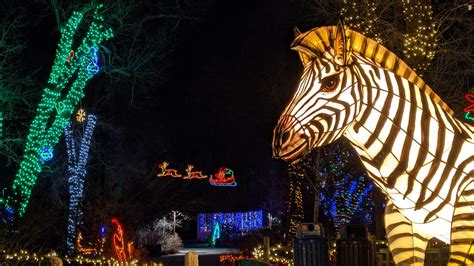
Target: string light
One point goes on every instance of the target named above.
(348, 197)
(167, 172)
(7, 214)
(93, 67)
(98, 249)
(361, 18)
(77, 172)
(216, 234)
(71, 55)
(83, 249)
(470, 108)
(103, 235)
(468, 116)
(190, 174)
(81, 115)
(232, 259)
(241, 222)
(223, 178)
(130, 249)
(278, 254)
(119, 241)
(46, 154)
(25, 256)
(419, 43)
(295, 202)
(47, 127)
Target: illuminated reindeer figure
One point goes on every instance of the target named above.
(193, 174)
(167, 172)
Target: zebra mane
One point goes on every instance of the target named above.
(318, 40)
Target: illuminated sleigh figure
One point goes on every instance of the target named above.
(193, 174)
(167, 172)
(223, 178)
(407, 138)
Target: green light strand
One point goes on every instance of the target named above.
(53, 107)
(468, 116)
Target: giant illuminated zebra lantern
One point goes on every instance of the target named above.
(412, 147)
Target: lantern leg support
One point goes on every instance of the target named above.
(406, 244)
(462, 229)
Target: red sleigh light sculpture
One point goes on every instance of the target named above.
(223, 178)
(470, 108)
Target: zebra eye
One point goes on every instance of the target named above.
(329, 84)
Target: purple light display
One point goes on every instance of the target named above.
(239, 222)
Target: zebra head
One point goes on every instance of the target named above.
(326, 101)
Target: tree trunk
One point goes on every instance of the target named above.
(317, 179)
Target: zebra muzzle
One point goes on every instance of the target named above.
(289, 140)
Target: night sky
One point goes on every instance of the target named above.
(211, 94)
(232, 74)
(217, 96)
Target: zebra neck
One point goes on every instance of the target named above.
(401, 129)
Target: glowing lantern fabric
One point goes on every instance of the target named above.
(406, 136)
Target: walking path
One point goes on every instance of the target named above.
(207, 256)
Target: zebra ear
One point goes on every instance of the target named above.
(306, 55)
(341, 45)
(296, 31)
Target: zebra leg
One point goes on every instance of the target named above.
(462, 229)
(406, 244)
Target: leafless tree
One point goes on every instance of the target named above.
(16, 91)
(145, 35)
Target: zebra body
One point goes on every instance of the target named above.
(422, 189)
(412, 147)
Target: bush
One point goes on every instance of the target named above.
(171, 244)
(160, 233)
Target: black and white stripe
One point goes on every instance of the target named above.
(413, 149)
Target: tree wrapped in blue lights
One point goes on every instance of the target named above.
(239, 222)
(346, 193)
(348, 198)
(76, 175)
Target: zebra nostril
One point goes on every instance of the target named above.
(285, 137)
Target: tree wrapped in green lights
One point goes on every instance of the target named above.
(74, 66)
